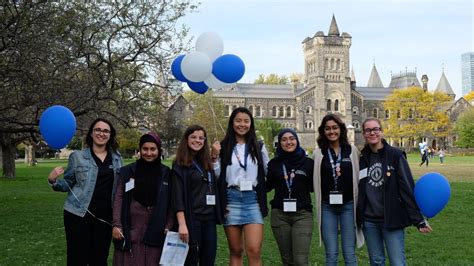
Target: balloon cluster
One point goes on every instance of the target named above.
(206, 67)
(432, 193)
(57, 126)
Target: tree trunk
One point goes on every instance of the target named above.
(8, 152)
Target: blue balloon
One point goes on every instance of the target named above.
(57, 126)
(228, 68)
(176, 69)
(199, 87)
(432, 193)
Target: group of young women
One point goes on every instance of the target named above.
(357, 195)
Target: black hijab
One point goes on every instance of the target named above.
(148, 174)
(292, 160)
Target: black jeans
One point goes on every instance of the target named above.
(204, 253)
(88, 239)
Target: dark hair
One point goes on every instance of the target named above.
(112, 143)
(230, 140)
(185, 156)
(371, 119)
(323, 141)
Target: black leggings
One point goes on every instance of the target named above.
(88, 239)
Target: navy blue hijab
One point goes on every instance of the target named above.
(292, 160)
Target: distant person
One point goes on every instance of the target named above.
(386, 203)
(196, 202)
(425, 157)
(336, 178)
(290, 173)
(141, 216)
(441, 155)
(241, 168)
(89, 180)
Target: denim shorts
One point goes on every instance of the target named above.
(242, 208)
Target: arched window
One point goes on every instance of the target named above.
(356, 124)
(282, 111)
(229, 110)
(252, 109)
(259, 111)
(328, 105)
(387, 114)
(274, 111)
(375, 113)
(308, 124)
(336, 105)
(288, 112)
(355, 110)
(308, 109)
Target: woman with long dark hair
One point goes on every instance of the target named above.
(241, 169)
(89, 179)
(196, 202)
(336, 177)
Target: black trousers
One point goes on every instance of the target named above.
(88, 239)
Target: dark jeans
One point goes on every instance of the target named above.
(88, 239)
(293, 232)
(204, 253)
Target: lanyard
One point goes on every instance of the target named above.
(209, 176)
(288, 181)
(336, 166)
(246, 155)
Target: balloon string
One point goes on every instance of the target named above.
(214, 117)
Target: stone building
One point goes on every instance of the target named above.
(329, 86)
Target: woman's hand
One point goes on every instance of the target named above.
(215, 150)
(183, 233)
(117, 233)
(53, 175)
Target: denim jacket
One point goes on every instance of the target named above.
(80, 177)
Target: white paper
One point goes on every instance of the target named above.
(174, 250)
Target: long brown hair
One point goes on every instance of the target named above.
(323, 141)
(185, 156)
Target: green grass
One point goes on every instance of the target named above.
(32, 231)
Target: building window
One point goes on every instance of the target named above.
(308, 124)
(228, 110)
(410, 113)
(308, 109)
(375, 113)
(356, 124)
(387, 114)
(281, 111)
(274, 111)
(252, 109)
(355, 110)
(288, 112)
(259, 111)
(328, 105)
(336, 105)
(399, 114)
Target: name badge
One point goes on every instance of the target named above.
(289, 205)
(211, 199)
(363, 173)
(246, 185)
(335, 197)
(130, 185)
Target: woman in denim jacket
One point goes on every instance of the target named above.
(89, 179)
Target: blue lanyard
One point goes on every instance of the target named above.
(209, 176)
(246, 155)
(288, 180)
(336, 166)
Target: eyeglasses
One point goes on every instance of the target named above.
(333, 128)
(376, 130)
(97, 131)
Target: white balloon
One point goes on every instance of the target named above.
(211, 44)
(214, 83)
(196, 66)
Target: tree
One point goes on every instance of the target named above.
(469, 97)
(271, 79)
(209, 112)
(129, 139)
(414, 114)
(98, 58)
(268, 129)
(465, 129)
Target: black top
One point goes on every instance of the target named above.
(344, 181)
(200, 187)
(374, 189)
(100, 201)
(301, 187)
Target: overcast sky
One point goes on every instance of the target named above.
(396, 35)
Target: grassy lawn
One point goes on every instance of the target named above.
(32, 231)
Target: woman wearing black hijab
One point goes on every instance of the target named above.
(140, 215)
(290, 173)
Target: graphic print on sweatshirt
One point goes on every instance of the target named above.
(375, 174)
